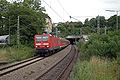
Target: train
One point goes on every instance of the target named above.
(46, 44)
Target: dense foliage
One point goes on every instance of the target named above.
(31, 19)
(89, 26)
(102, 45)
(69, 28)
(99, 57)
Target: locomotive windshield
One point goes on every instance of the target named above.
(41, 38)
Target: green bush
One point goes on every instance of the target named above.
(107, 66)
(95, 69)
(15, 53)
(102, 45)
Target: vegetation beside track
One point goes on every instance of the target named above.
(14, 53)
(31, 18)
(99, 58)
(95, 69)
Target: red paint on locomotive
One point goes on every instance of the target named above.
(48, 43)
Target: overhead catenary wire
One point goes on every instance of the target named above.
(74, 18)
(63, 7)
(53, 10)
(71, 17)
(66, 11)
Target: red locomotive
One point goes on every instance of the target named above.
(47, 43)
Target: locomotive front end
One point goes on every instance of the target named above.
(41, 43)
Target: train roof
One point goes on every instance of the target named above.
(3, 37)
(48, 34)
(44, 34)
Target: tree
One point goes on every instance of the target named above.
(31, 19)
(3, 9)
(69, 28)
(86, 22)
(34, 4)
(112, 22)
(93, 23)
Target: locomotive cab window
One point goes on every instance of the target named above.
(41, 38)
(44, 38)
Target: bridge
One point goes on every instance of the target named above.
(73, 38)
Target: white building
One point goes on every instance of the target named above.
(48, 28)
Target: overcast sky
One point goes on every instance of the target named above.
(80, 9)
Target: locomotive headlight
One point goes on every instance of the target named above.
(45, 43)
(38, 43)
(47, 46)
(36, 46)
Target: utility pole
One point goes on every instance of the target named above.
(18, 31)
(9, 30)
(106, 27)
(98, 25)
(116, 16)
(73, 28)
(56, 31)
(117, 20)
(3, 25)
(80, 31)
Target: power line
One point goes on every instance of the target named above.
(84, 16)
(53, 10)
(66, 11)
(63, 7)
(74, 18)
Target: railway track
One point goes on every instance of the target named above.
(62, 69)
(8, 64)
(4, 63)
(55, 67)
(12, 67)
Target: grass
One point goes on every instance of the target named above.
(15, 54)
(3, 55)
(96, 69)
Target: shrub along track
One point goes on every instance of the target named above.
(44, 68)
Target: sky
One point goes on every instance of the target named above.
(80, 9)
(60, 10)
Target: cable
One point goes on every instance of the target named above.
(63, 7)
(70, 15)
(66, 11)
(53, 10)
